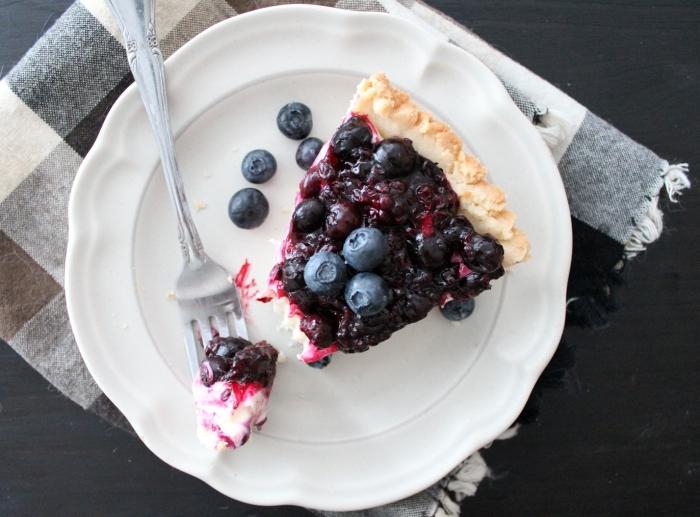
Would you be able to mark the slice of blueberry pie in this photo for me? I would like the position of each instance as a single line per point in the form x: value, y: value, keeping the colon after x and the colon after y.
x: 232, y: 390
x: 392, y: 219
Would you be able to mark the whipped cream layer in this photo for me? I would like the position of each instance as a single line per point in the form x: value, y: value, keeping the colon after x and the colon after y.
x: 227, y: 411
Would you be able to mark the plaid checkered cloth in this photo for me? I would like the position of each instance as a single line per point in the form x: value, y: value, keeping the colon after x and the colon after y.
x: 53, y: 103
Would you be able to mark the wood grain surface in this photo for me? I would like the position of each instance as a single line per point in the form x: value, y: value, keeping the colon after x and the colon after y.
x: 619, y: 438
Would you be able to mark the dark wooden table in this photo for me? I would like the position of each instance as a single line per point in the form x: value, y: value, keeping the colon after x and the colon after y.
x: 620, y: 437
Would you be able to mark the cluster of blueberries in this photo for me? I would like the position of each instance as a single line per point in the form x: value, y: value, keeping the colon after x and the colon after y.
x: 237, y: 359
x: 366, y: 293
x: 249, y: 207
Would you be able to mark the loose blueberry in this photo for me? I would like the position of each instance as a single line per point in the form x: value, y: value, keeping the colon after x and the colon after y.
x: 307, y: 151
x: 258, y: 166
x: 325, y: 273
x: 342, y: 218
x: 294, y: 120
x: 352, y: 135
x: 308, y: 215
x: 396, y: 156
x: 365, y: 248
x: 248, y: 208
x: 212, y: 369
x: 457, y: 310
x: 321, y: 363
x: 488, y: 254
x: 367, y: 294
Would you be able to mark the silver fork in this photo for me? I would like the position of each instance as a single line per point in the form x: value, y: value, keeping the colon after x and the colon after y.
x: 207, y: 299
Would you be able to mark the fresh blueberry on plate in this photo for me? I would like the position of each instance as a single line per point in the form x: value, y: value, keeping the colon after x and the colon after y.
x: 258, y: 166
x: 248, y: 208
x: 325, y: 273
x: 294, y: 120
x: 365, y: 248
x: 307, y: 151
x: 367, y: 294
x: 321, y: 363
x: 457, y: 310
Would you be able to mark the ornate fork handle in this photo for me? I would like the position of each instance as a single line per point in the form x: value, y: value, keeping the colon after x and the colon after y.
x: 136, y: 19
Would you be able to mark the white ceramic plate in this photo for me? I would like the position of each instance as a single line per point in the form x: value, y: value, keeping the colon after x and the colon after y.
x: 371, y: 428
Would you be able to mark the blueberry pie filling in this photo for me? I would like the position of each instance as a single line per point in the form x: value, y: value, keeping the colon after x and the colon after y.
x: 381, y: 233
x: 232, y: 390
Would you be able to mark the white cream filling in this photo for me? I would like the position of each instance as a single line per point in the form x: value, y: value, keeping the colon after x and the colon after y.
x: 290, y: 322
x: 224, y: 422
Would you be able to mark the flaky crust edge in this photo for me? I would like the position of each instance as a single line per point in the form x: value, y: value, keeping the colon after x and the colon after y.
x: 394, y: 113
